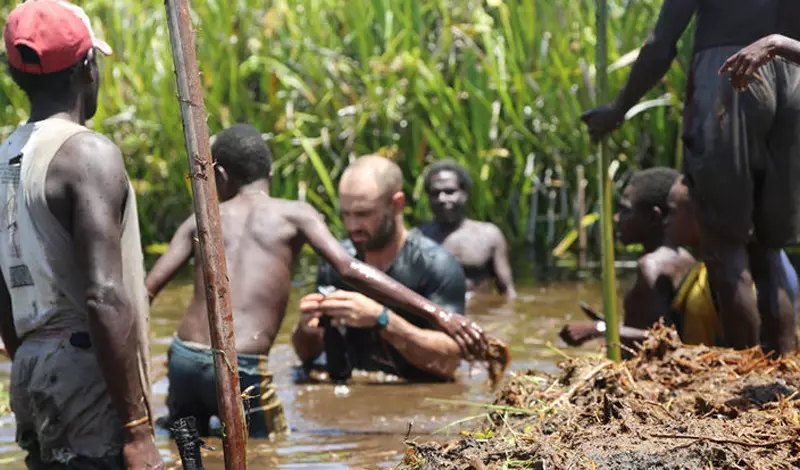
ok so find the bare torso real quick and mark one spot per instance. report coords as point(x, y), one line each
point(260, 247)
point(473, 245)
point(659, 277)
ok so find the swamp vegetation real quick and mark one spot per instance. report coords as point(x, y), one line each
point(498, 85)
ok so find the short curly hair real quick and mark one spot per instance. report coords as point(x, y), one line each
point(463, 176)
point(241, 150)
point(651, 187)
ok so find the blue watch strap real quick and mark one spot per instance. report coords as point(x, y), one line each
point(383, 318)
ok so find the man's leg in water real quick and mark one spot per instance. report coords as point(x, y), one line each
point(778, 321)
point(732, 284)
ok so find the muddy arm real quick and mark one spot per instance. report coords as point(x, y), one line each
point(177, 255)
point(429, 350)
point(7, 331)
point(658, 52)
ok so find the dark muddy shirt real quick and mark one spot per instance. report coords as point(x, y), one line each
point(735, 22)
point(422, 266)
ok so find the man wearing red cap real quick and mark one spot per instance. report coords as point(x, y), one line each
point(73, 304)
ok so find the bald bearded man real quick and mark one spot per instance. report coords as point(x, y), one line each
point(378, 338)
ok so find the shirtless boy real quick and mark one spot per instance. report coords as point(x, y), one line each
point(262, 237)
point(480, 247)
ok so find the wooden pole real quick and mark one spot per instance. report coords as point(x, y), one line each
point(209, 232)
point(581, 215)
point(606, 210)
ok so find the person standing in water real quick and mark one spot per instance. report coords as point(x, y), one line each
point(745, 141)
point(263, 237)
point(73, 305)
point(479, 247)
point(379, 338)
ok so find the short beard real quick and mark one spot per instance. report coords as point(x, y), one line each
point(383, 235)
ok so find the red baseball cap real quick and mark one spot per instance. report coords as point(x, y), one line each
point(58, 31)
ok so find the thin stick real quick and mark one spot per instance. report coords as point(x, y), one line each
point(564, 398)
point(609, 275)
point(209, 230)
point(581, 215)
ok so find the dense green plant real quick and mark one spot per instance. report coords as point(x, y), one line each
point(498, 85)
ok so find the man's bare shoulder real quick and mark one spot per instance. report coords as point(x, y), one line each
point(489, 230)
point(664, 261)
point(283, 218)
point(89, 158)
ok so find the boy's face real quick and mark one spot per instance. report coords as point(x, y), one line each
point(634, 223)
point(681, 222)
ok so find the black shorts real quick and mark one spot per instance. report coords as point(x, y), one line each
point(742, 161)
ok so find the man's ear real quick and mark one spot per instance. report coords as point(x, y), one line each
point(222, 176)
point(658, 214)
point(89, 66)
point(398, 202)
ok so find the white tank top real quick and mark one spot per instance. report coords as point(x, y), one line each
point(36, 252)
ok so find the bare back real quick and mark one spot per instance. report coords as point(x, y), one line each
point(261, 244)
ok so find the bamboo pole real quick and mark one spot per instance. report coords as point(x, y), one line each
point(581, 215)
point(209, 232)
point(606, 211)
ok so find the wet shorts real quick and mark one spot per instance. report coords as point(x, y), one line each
point(193, 389)
point(742, 162)
point(65, 418)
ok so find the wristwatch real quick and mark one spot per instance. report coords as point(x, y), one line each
point(383, 319)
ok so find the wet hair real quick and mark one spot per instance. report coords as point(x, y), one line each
point(462, 175)
point(33, 84)
point(241, 150)
point(387, 173)
point(651, 187)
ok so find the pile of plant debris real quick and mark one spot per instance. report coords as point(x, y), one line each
point(671, 406)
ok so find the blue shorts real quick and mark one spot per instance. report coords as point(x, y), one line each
point(193, 390)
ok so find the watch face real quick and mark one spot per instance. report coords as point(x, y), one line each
point(383, 319)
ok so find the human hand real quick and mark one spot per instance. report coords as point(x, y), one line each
point(139, 451)
point(577, 333)
point(467, 334)
point(602, 120)
point(351, 309)
point(310, 311)
point(744, 64)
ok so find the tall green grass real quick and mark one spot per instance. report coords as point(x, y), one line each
point(497, 85)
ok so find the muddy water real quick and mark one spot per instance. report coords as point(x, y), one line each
point(365, 428)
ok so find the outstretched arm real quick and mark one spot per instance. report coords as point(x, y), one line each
point(745, 63)
point(379, 286)
point(177, 255)
point(502, 268)
point(655, 58)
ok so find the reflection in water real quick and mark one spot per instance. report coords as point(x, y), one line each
point(366, 426)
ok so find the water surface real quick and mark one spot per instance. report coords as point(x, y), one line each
point(365, 428)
